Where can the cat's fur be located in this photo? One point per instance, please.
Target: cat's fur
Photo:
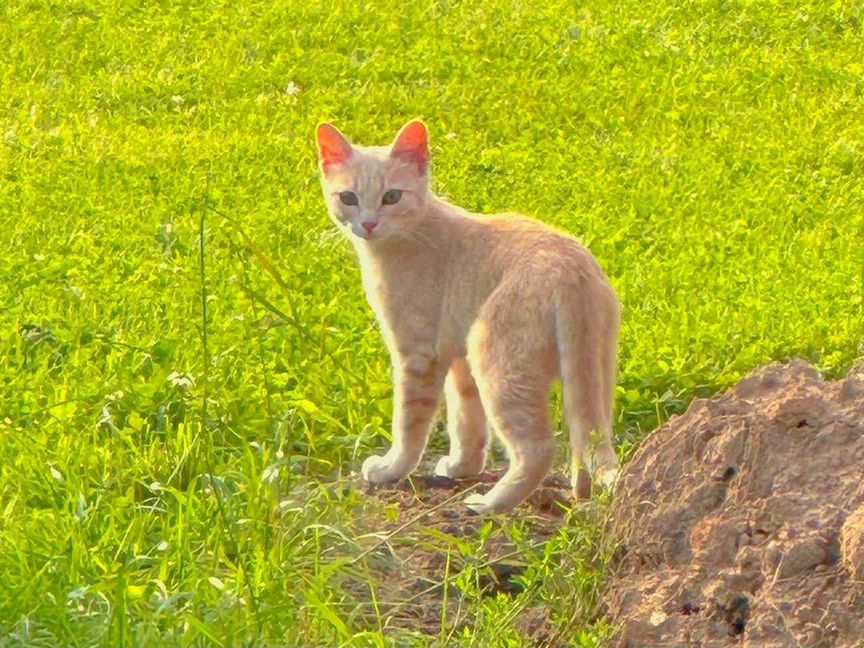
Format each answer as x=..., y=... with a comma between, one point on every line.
x=484, y=311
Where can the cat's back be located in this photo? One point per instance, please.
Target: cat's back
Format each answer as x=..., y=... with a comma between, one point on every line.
x=522, y=243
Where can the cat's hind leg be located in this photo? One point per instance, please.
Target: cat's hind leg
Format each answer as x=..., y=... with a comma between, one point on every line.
x=513, y=377
x=466, y=425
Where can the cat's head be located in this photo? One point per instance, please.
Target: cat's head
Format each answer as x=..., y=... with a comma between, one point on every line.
x=374, y=193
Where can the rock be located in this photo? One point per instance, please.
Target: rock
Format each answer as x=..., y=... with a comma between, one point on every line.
x=800, y=557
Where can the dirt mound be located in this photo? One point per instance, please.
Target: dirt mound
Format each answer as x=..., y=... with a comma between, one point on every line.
x=742, y=521
x=852, y=544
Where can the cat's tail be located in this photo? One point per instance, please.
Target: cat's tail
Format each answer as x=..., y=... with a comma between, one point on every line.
x=588, y=320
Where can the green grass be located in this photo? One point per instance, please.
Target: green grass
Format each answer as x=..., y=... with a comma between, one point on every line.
x=711, y=154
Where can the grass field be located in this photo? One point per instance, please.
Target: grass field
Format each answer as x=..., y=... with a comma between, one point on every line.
x=171, y=475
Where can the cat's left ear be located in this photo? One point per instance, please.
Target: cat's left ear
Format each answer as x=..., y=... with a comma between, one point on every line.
x=412, y=144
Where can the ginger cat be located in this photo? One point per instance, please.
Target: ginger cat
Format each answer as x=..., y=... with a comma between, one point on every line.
x=486, y=310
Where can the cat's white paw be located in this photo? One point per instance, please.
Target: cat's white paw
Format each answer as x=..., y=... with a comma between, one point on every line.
x=480, y=504
x=444, y=469
x=448, y=467
x=607, y=477
x=378, y=470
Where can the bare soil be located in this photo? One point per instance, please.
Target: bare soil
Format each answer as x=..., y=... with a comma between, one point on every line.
x=742, y=521
x=419, y=553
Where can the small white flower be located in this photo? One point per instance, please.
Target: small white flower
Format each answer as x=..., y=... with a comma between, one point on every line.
x=77, y=594
x=181, y=381
x=292, y=89
x=177, y=100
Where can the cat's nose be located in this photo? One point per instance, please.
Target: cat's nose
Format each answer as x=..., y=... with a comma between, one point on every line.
x=370, y=225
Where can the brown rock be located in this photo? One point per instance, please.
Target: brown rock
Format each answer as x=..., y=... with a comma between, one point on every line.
x=801, y=556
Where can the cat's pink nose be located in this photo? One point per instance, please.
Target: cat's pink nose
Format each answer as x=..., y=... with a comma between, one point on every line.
x=370, y=225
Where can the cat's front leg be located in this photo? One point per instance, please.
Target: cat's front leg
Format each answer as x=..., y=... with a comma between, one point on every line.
x=466, y=425
x=418, y=384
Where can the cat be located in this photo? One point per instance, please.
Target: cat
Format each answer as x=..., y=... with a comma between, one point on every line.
x=487, y=311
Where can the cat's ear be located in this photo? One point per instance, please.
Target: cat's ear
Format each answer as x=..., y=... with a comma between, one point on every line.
x=412, y=144
x=333, y=148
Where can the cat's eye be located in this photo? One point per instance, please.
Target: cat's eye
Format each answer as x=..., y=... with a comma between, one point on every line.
x=348, y=198
x=391, y=197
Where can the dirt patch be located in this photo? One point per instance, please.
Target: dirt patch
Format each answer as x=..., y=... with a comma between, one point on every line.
x=742, y=521
x=422, y=547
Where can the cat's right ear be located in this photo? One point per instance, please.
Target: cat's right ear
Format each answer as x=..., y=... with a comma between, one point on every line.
x=333, y=148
